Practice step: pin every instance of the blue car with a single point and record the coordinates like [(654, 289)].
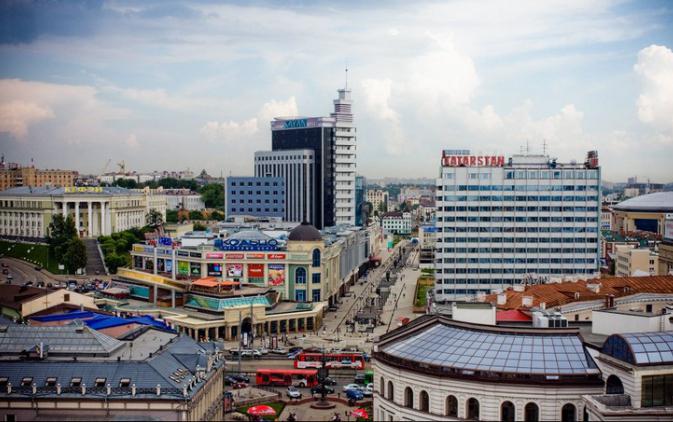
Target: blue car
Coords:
[(354, 395)]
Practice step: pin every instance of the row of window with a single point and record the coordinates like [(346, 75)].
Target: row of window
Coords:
[(517, 261), (523, 188), (519, 198), (519, 240), (259, 192), (521, 229), (284, 157), (496, 282), (518, 250), (256, 184), (531, 219), (259, 201), (300, 295), (532, 174), (257, 210), (486, 208), (526, 270)]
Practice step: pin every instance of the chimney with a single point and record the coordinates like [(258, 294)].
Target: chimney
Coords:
[(158, 389), (502, 298), (577, 295), (133, 389), (108, 389), (83, 388), (184, 391), (527, 301), (481, 297), (543, 305), (58, 389)]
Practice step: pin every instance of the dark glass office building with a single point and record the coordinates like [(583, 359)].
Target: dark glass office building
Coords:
[(316, 134)]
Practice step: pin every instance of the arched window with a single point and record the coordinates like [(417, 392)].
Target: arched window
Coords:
[(424, 401), (473, 409), (614, 385), (507, 412), (391, 391), (531, 413), (568, 413), (451, 406), (408, 398), (316, 258), (382, 387), (300, 276)]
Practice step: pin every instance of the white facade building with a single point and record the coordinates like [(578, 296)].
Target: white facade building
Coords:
[(183, 199), (297, 167), (396, 222), (345, 146), (500, 222)]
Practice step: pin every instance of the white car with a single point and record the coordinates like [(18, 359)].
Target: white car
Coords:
[(293, 393), (368, 391), (353, 387)]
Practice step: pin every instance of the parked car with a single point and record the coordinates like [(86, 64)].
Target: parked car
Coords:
[(230, 380), (248, 353), (278, 351), (263, 351), (239, 385), (352, 387), (330, 381), (368, 391), (359, 379), (293, 393), (3, 265), (295, 349), (354, 395), (240, 377), (319, 389)]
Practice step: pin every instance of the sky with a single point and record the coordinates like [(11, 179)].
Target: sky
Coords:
[(165, 85)]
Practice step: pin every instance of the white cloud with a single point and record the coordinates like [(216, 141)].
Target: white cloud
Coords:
[(377, 93), (16, 116), (655, 71), (132, 141)]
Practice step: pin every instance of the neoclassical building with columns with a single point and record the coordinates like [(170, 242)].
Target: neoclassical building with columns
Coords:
[(25, 212)]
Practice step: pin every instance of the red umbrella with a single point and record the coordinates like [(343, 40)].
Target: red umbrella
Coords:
[(360, 413), (261, 410)]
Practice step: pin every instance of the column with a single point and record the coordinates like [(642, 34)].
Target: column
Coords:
[(89, 206), (173, 298), (102, 217), (77, 217), (65, 209), (156, 293), (175, 264)]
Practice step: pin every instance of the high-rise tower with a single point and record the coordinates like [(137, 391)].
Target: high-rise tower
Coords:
[(345, 146)]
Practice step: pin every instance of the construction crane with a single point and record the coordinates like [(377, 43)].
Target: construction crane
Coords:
[(122, 166), (106, 166)]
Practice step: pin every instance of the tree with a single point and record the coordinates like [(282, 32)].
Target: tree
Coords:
[(195, 215), (74, 257), (213, 195), (217, 215), (126, 183), (114, 261), (198, 227), (171, 216), (154, 218), (60, 232)]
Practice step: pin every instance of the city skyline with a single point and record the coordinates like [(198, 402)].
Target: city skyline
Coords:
[(88, 82)]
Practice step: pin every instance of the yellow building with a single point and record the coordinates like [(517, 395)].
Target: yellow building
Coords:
[(14, 176), (631, 261)]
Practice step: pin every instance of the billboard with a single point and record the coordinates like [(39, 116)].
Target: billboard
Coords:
[(246, 244), (215, 269), (473, 160), (255, 271), (276, 274), (183, 268), (234, 270)]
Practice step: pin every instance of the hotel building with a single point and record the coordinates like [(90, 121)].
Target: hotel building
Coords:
[(504, 222)]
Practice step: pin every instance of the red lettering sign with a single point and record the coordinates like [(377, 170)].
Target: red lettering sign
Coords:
[(255, 270), (276, 256), (255, 256), (473, 161), (214, 255), (234, 256)]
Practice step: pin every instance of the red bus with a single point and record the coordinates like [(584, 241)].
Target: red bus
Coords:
[(287, 377), (344, 360)]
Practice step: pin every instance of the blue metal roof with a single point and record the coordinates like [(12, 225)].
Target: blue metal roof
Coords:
[(641, 348)]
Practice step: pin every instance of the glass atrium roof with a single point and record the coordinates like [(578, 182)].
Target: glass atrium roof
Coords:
[(518, 353), (641, 348)]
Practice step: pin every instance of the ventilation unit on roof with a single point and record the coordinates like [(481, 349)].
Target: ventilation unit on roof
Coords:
[(125, 382)]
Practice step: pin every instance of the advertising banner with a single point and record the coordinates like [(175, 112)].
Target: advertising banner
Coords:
[(183, 268), (195, 268), (234, 256), (215, 269), (276, 274), (255, 270), (276, 256), (255, 256), (234, 270), (169, 265), (214, 255)]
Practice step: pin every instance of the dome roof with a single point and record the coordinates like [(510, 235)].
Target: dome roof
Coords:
[(654, 202), (305, 232)]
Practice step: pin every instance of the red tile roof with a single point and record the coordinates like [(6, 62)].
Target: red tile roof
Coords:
[(557, 294)]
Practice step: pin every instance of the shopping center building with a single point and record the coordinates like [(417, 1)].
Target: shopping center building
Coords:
[(438, 369), (25, 212)]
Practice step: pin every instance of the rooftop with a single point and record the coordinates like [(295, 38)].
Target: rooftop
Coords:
[(653, 202), (60, 191), (655, 348), (66, 340)]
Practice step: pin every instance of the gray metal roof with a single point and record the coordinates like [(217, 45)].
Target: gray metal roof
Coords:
[(60, 191), (66, 340), (655, 202)]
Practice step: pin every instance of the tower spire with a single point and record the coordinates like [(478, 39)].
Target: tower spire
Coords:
[(346, 86)]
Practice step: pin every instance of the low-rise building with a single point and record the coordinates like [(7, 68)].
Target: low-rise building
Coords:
[(631, 261), (615, 321), (378, 198), (13, 175), (396, 222), (256, 196), (183, 199), (437, 369), (18, 302)]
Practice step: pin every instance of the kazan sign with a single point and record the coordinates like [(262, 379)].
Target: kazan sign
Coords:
[(473, 161), (246, 245)]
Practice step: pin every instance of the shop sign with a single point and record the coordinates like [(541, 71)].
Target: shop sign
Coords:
[(298, 256), (246, 245), (214, 255), (83, 189), (234, 256), (255, 270), (473, 160), (195, 254), (183, 253), (276, 256), (255, 256)]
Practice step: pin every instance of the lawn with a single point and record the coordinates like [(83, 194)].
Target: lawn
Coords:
[(421, 294), (277, 406), (31, 252)]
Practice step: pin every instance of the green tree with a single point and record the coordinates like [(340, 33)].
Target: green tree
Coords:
[(60, 232), (126, 183), (154, 218), (195, 215), (74, 256), (171, 216), (217, 215), (198, 227), (213, 195), (114, 261)]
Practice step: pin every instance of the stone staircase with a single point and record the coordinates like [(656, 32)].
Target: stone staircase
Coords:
[(94, 260)]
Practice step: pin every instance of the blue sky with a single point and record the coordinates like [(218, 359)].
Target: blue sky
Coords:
[(175, 85)]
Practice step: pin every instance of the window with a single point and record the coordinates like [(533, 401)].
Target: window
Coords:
[(300, 276), (473, 409), (50, 382), (531, 413), (316, 258), (424, 400), (315, 278), (451, 406), (66, 297), (391, 391), (507, 411), (125, 382), (614, 385), (315, 295), (657, 390), (100, 382), (568, 413), (300, 295), (408, 398), (26, 381)]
